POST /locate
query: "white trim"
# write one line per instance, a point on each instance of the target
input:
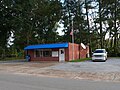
(61, 55)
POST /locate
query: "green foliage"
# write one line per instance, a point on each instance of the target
(36, 21)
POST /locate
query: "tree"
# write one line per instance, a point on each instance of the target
(48, 15)
(5, 24)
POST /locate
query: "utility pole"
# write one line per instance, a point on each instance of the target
(72, 39)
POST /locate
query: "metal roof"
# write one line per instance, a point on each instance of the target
(47, 46)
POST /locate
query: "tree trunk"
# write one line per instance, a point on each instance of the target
(100, 22)
(115, 35)
(89, 39)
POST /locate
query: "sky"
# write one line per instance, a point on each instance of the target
(59, 30)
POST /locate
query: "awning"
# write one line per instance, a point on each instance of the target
(47, 46)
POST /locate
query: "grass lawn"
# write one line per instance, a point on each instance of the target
(81, 60)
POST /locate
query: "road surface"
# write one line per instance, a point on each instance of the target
(26, 82)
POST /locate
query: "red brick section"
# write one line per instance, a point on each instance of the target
(66, 54)
(76, 51)
(33, 58)
(79, 52)
(84, 52)
(70, 55)
(45, 59)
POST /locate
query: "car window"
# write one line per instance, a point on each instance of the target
(99, 51)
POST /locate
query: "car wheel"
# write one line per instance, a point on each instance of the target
(106, 58)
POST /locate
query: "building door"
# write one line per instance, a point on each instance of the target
(61, 55)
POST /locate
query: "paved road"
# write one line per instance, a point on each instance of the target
(22, 82)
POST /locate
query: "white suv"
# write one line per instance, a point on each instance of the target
(99, 55)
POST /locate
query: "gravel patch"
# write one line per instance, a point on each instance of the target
(107, 71)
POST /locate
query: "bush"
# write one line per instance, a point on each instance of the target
(118, 54)
(11, 55)
(112, 53)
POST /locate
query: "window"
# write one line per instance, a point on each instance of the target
(37, 53)
(54, 53)
(99, 51)
(47, 53)
(43, 53)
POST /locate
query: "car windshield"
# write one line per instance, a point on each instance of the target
(99, 51)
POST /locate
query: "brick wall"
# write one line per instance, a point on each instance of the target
(79, 52)
(83, 52)
(66, 54)
(45, 59)
(33, 58)
(76, 51)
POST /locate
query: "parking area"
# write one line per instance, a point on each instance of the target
(111, 65)
(107, 71)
